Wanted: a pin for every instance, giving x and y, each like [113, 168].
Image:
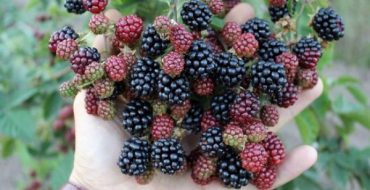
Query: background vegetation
[30, 104]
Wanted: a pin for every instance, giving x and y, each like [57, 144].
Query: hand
[99, 142]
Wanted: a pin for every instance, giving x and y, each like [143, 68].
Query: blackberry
[82, 58]
[74, 6]
[286, 97]
[134, 158]
[220, 106]
[144, 77]
[271, 49]
[245, 107]
[119, 88]
[230, 69]
[173, 90]
[137, 117]
[152, 45]
[211, 142]
[199, 61]
[65, 33]
[231, 172]
[308, 51]
[192, 119]
[196, 15]
[168, 155]
[258, 27]
[328, 24]
[277, 13]
[268, 76]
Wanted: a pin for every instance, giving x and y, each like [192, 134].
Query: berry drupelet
[137, 117]
[162, 127]
[275, 147]
[245, 107]
[308, 51]
[167, 155]
[204, 87]
[220, 106]
[196, 15]
[230, 171]
[82, 58]
[173, 90]
[254, 157]
[173, 63]
[74, 6]
[258, 27]
[199, 61]
[230, 69]
[230, 32]
[192, 119]
[270, 49]
[268, 77]
[134, 158]
[328, 24]
[129, 29]
[116, 68]
[180, 38]
[246, 45]
[208, 121]
[211, 143]
[144, 77]
[152, 44]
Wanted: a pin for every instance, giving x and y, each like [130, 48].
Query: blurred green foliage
[30, 76]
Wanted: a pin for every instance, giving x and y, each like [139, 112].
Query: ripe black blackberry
[258, 27]
[152, 44]
[134, 158]
[74, 6]
[192, 119]
[144, 77]
[308, 51]
[173, 90]
[277, 13]
[271, 49]
[230, 69]
[328, 24]
[211, 142]
[66, 32]
[199, 61]
[220, 106]
[167, 155]
[137, 117]
[196, 15]
[231, 172]
[82, 58]
[268, 76]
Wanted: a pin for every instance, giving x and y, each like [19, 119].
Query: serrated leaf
[17, 124]
[60, 174]
[308, 126]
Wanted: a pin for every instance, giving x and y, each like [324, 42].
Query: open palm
[99, 142]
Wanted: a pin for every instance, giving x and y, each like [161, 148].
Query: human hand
[99, 142]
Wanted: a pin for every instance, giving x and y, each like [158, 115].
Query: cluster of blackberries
[192, 78]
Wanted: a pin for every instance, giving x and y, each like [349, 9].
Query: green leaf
[217, 23]
[358, 94]
[308, 126]
[17, 124]
[52, 105]
[339, 176]
[8, 147]
[342, 105]
[327, 57]
[344, 80]
[361, 117]
[19, 96]
[61, 173]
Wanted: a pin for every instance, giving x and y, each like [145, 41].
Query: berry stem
[173, 10]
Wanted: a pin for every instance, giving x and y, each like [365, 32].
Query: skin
[99, 142]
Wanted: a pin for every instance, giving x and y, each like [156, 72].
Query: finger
[241, 13]
[298, 161]
[304, 100]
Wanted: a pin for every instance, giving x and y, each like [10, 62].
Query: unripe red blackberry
[162, 25]
[129, 58]
[266, 178]
[204, 87]
[173, 64]
[162, 127]
[231, 32]
[99, 24]
[254, 157]
[308, 51]
[179, 111]
[287, 97]
[246, 45]
[328, 24]
[66, 48]
[180, 38]
[217, 7]
[66, 112]
[255, 131]
[106, 109]
[129, 29]
[275, 147]
[208, 121]
[58, 125]
[94, 71]
[204, 168]
[91, 102]
[245, 107]
[68, 89]
[233, 136]
[83, 57]
[103, 88]
[65, 33]
[307, 78]
[290, 62]
[269, 115]
[81, 81]
[116, 68]
[95, 6]
[277, 3]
